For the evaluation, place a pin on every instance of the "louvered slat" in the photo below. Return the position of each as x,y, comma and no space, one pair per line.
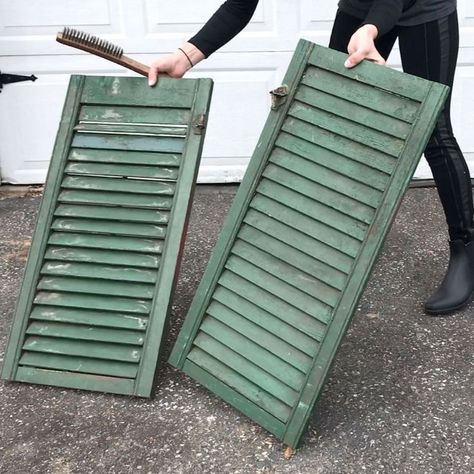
92,301
92,318
112,228
374,98
286,272
145,201
247,368
106,242
361,115
328,178
279,288
240,384
258,335
286,253
299,240
135,114
122,170
85,270
313,208
340,144
109,257
113,213
347,128
78,155
321,231
262,358
88,333
129,142
131,128
284,330
303,234
135,186
273,304
335,161
79,364
93,286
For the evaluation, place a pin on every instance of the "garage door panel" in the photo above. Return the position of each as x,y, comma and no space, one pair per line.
164,17
229,143
26,138
463,119
49,13
316,19
26,30
244,71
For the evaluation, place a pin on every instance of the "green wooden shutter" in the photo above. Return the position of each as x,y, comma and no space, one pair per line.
110,232
302,236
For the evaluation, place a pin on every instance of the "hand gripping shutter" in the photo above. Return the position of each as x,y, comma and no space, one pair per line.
107,245
302,236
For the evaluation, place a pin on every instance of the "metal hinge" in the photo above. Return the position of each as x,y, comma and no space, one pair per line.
10,78
200,124
279,96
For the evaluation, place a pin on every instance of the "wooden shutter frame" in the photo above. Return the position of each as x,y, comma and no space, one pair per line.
170,259
435,96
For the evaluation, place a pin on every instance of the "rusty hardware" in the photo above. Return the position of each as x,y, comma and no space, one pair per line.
279,96
10,78
200,124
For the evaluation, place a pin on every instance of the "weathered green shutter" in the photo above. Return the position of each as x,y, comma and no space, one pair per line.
302,236
110,232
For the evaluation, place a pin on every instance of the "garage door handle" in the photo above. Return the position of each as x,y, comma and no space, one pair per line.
9,78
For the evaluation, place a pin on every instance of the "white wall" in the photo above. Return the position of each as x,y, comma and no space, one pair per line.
244,71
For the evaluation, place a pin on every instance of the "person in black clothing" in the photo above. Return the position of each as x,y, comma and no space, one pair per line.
428,35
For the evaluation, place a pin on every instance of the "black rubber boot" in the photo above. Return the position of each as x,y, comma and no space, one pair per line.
458,284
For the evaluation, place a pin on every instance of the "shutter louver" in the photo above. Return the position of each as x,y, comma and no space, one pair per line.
110,231
302,236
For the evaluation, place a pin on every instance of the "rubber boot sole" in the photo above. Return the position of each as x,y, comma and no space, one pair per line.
448,311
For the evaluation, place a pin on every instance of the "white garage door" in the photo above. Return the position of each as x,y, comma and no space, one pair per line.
244,71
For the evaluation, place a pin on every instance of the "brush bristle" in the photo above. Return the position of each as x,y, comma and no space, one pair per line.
86,39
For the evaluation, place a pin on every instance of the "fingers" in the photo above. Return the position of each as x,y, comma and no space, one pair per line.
378,60
354,59
152,75
357,57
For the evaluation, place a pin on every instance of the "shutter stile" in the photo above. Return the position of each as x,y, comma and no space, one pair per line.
116,204
303,233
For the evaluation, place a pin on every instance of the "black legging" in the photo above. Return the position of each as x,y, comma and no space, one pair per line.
429,51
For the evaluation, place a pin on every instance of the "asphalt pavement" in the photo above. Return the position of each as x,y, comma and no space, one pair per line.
399,399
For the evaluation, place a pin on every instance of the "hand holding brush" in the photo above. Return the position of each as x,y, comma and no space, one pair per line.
174,65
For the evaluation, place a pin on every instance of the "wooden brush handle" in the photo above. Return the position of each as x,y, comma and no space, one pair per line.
130,63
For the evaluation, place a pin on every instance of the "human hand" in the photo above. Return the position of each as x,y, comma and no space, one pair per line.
175,64
361,46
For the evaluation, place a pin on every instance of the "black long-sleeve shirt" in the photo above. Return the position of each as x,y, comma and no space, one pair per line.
234,15
231,18
385,14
